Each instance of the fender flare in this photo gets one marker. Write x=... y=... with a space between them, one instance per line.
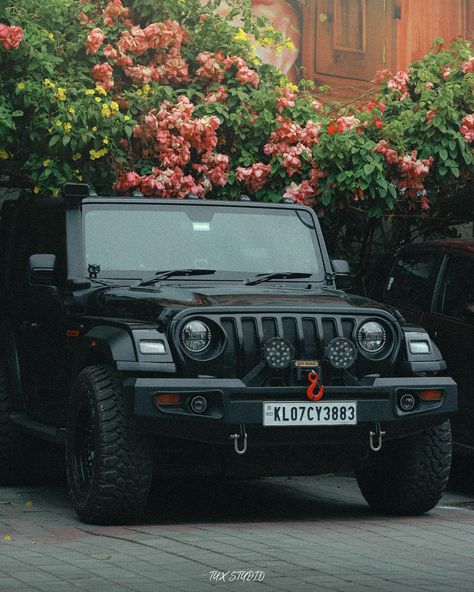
x=110 y=343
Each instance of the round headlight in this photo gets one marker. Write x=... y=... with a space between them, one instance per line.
x=371 y=337
x=196 y=336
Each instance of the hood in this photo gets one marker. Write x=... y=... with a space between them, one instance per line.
x=155 y=303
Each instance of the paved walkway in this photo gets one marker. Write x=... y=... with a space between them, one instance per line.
x=292 y=534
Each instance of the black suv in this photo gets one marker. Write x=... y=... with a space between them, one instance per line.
x=207 y=337
x=432 y=283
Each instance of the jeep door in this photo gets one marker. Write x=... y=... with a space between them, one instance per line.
x=411 y=283
x=451 y=325
x=38 y=314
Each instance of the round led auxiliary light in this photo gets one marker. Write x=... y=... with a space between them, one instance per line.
x=277 y=353
x=341 y=352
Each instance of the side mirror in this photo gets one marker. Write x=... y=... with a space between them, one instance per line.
x=468 y=313
x=342 y=274
x=42 y=269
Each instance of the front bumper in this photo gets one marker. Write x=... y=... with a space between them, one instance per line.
x=232 y=402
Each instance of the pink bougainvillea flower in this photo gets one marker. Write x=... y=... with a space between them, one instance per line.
x=255 y=176
x=400 y=82
x=115 y=11
x=286 y=99
x=430 y=115
x=94 y=41
x=467 y=127
x=411 y=171
x=468 y=66
x=10 y=36
x=102 y=74
x=127 y=181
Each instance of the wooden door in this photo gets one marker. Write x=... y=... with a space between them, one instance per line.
x=347 y=40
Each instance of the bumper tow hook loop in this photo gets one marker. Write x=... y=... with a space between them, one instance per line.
x=237 y=437
x=313 y=378
x=375 y=438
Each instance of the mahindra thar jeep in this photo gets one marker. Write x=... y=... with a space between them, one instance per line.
x=209 y=337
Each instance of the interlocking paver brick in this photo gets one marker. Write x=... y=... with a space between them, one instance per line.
x=321 y=537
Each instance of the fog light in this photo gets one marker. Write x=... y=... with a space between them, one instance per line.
x=277 y=353
x=341 y=353
x=168 y=399
x=198 y=404
x=407 y=402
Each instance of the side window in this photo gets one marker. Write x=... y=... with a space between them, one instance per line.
x=457 y=289
x=412 y=280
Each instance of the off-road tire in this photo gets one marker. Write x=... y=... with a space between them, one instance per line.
x=109 y=457
x=408 y=476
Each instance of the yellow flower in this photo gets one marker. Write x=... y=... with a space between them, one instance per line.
x=241 y=35
x=67 y=127
x=51 y=36
x=4 y=155
x=95 y=154
x=76 y=156
x=94 y=129
x=139 y=92
x=55 y=192
x=50 y=129
x=106 y=110
x=98 y=100
x=46 y=163
x=146 y=89
x=100 y=91
x=114 y=106
x=292 y=87
x=89 y=91
x=105 y=140
x=60 y=94
x=58 y=123
x=126 y=118
x=48 y=84
x=36 y=189
x=20 y=86
x=72 y=110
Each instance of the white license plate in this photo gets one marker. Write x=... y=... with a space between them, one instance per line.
x=309 y=414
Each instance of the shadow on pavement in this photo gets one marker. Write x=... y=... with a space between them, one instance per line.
x=256 y=500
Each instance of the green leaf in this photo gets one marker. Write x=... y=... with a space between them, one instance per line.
x=443 y=153
x=369 y=168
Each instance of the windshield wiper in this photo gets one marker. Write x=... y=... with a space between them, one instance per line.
x=163 y=275
x=265 y=277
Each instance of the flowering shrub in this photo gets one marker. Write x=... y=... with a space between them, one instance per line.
x=167 y=98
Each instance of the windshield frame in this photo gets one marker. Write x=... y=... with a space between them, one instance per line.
x=221 y=275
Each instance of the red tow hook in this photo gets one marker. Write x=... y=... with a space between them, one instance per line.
x=313 y=378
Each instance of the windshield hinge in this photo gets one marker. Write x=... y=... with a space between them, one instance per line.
x=330 y=278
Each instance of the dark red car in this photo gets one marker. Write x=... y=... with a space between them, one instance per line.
x=432 y=284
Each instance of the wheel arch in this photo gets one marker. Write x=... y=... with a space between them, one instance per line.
x=104 y=345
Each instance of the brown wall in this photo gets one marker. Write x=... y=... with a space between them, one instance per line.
x=422 y=21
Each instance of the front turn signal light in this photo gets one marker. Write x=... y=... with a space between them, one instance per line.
x=431 y=395
x=168 y=399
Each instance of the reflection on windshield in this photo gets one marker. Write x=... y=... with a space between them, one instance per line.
x=145 y=239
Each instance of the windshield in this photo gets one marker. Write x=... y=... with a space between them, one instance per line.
x=139 y=240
